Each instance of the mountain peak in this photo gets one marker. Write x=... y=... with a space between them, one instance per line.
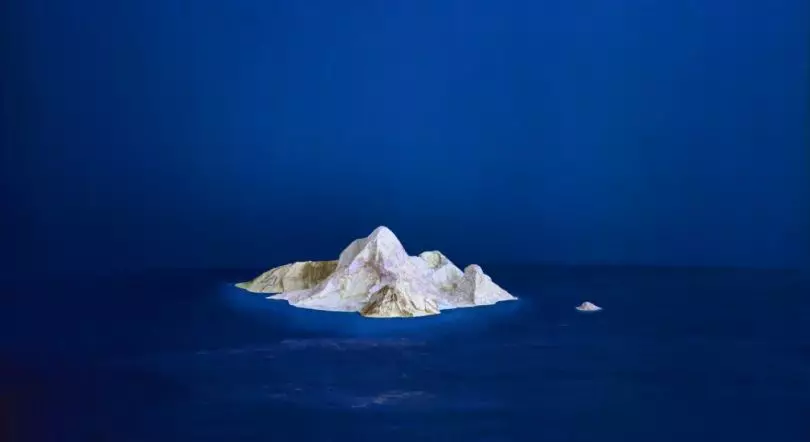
x=383 y=233
x=381 y=245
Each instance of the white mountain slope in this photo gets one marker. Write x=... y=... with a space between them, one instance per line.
x=376 y=277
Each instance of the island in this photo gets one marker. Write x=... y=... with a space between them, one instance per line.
x=588 y=307
x=376 y=277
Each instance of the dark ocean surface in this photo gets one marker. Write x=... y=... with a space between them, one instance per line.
x=676 y=355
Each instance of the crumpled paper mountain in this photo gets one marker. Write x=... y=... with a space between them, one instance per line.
x=375 y=277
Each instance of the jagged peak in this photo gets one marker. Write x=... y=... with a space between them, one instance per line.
x=380 y=243
x=473 y=269
x=434 y=258
x=384 y=235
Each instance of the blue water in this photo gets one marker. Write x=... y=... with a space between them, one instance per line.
x=182 y=356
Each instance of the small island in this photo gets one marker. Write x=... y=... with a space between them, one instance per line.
x=588 y=307
x=376 y=277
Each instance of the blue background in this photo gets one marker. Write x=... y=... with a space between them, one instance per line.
x=249 y=133
x=212 y=139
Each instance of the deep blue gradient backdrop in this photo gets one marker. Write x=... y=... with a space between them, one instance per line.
x=249 y=133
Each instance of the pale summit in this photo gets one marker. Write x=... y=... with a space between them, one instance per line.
x=376 y=277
